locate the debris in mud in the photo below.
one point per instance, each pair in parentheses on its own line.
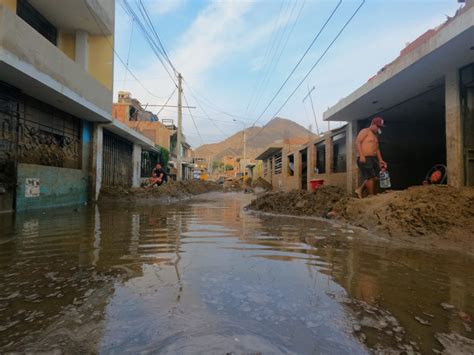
(439,216)
(299,202)
(422,321)
(433,211)
(261,183)
(454,343)
(173,190)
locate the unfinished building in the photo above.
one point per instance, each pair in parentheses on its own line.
(425,97)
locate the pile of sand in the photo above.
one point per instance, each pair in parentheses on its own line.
(262,183)
(173,190)
(299,202)
(426,216)
(434,211)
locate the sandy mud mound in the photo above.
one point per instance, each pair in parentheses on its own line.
(432,211)
(261,183)
(299,202)
(173,190)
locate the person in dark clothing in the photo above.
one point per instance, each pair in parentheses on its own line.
(158,176)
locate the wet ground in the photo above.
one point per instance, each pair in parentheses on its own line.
(205,276)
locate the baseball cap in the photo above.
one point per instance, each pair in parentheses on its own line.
(378,121)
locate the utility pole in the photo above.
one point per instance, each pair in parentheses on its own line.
(180,130)
(312,106)
(245,143)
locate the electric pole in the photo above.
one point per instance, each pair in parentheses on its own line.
(312,107)
(179,171)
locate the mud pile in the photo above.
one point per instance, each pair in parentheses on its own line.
(299,202)
(431,211)
(172,191)
(262,184)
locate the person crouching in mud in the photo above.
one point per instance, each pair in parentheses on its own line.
(370,159)
(158,176)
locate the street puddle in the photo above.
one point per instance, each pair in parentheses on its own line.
(208,277)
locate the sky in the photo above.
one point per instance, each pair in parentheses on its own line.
(235,54)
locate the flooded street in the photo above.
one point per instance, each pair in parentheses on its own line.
(204,276)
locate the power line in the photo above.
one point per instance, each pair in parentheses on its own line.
(267,51)
(150,38)
(212,105)
(300,60)
(115,52)
(205,113)
(194,122)
(274,63)
(321,57)
(314,66)
(158,37)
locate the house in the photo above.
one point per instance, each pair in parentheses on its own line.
(130,111)
(56,76)
(425,97)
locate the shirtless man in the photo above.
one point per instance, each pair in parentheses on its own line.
(370,159)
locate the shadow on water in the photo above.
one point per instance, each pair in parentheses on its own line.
(205,276)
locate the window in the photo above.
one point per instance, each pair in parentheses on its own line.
(278,164)
(291,165)
(48,136)
(320,158)
(32,17)
(339,153)
(265,168)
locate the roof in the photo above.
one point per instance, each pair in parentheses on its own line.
(421,66)
(268,153)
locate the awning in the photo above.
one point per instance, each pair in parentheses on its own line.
(269,152)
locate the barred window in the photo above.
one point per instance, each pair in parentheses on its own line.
(278,165)
(48,136)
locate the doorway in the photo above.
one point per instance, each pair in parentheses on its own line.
(304,169)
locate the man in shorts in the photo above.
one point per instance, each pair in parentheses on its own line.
(370,159)
(158,176)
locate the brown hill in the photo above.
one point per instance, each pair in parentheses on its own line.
(257,139)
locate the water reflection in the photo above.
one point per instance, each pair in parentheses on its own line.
(206,276)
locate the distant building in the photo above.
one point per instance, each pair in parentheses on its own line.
(130,111)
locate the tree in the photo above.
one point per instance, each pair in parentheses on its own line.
(217,165)
(164,157)
(228,167)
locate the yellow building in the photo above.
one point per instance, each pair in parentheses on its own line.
(56,78)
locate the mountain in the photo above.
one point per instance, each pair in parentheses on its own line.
(257,139)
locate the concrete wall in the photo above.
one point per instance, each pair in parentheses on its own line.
(454,150)
(58,187)
(67,44)
(287,182)
(101,60)
(29,52)
(137,161)
(10,4)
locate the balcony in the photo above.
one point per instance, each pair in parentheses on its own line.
(34,65)
(93,16)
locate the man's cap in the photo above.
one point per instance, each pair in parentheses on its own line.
(378,121)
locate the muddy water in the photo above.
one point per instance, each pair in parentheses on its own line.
(207,277)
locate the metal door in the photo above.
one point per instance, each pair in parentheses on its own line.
(117,162)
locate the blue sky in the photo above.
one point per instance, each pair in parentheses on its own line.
(234,55)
